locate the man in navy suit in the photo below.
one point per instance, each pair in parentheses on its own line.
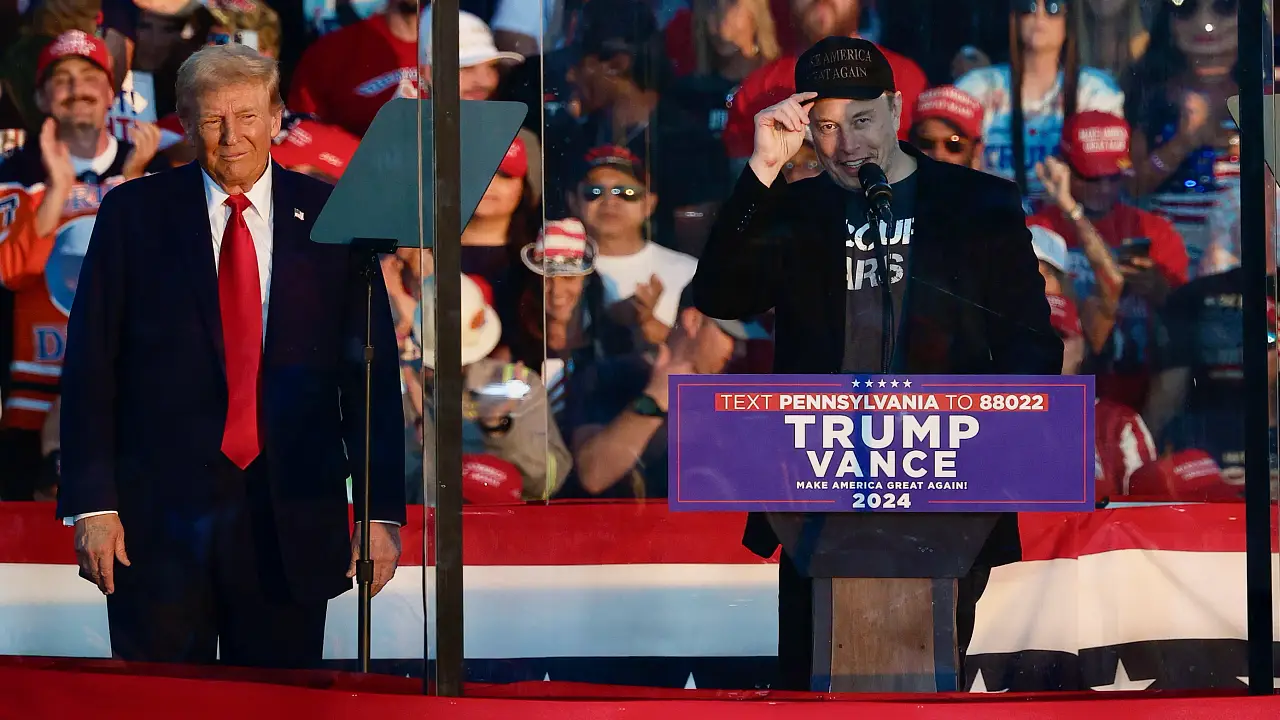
(213,395)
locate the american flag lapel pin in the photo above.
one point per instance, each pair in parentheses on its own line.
(298,214)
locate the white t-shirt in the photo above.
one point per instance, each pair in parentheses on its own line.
(1042,117)
(622,273)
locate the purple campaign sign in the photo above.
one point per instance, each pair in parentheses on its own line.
(871,443)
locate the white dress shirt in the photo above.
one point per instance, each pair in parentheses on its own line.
(260,217)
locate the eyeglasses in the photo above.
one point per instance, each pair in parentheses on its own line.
(1051,7)
(1187,9)
(953,145)
(629,193)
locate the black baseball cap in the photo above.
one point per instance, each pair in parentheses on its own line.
(844,67)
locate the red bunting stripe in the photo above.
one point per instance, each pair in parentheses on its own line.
(615,533)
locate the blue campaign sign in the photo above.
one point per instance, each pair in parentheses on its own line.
(869,443)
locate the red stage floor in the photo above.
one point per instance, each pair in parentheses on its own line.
(32,688)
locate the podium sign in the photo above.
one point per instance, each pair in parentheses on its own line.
(882,444)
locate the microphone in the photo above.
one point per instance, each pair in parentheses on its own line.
(878,191)
(879,196)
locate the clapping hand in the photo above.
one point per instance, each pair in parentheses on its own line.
(1193,119)
(645,301)
(56,156)
(146,142)
(665,365)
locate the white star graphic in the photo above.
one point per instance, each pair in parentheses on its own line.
(894,383)
(856,383)
(1275,682)
(906,383)
(980,686)
(1122,681)
(882,383)
(690,684)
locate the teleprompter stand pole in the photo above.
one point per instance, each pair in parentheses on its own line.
(369,250)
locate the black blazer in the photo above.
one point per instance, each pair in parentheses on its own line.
(144,388)
(974,301)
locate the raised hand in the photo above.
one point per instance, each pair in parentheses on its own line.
(780,131)
(1056,177)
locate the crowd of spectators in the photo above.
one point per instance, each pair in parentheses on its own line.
(1110,115)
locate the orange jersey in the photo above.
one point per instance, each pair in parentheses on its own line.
(42,272)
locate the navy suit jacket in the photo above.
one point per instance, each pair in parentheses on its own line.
(144,392)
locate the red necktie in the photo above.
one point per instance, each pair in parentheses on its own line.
(240,298)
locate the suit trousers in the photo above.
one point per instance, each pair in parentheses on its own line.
(214,589)
(795,622)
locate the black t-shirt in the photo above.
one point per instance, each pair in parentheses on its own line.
(864,319)
(1202,330)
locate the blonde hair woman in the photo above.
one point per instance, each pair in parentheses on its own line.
(729,38)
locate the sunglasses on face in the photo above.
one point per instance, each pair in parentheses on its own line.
(629,193)
(1051,7)
(1187,9)
(953,145)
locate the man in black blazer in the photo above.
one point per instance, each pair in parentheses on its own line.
(953,287)
(213,395)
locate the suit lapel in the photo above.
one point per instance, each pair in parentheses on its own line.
(931,266)
(190,214)
(287,234)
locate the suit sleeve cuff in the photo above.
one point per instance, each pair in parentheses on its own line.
(71,521)
(387,522)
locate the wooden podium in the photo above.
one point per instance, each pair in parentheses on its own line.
(884,595)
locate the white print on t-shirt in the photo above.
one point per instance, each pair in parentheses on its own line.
(1042,116)
(860,272)
(622,273)
(137,103)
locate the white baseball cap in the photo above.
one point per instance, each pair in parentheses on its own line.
(1049,247)
(475,41)
(481,328)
